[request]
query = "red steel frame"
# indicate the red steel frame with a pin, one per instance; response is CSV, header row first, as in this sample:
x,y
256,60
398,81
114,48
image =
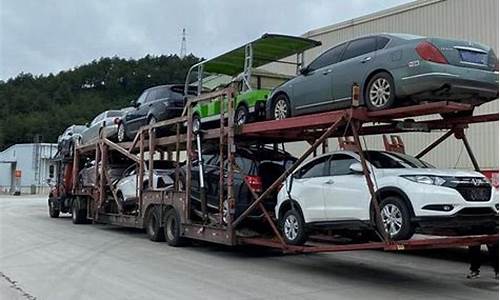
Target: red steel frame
x,y
315,129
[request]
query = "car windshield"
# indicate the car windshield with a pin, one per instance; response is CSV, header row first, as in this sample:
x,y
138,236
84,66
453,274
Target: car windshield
x,y
394,160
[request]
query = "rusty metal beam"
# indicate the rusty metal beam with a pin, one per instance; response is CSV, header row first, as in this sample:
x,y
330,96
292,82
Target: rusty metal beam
x,y
121,150
434,144
337,122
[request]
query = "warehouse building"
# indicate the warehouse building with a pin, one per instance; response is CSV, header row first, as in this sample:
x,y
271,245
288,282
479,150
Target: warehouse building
x,y
458,19
27,167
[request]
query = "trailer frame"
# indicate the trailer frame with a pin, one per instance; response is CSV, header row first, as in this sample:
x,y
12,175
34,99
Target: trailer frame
x,y
222,227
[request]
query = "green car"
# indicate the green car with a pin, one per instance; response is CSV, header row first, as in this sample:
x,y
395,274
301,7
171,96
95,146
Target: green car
x,y
239,67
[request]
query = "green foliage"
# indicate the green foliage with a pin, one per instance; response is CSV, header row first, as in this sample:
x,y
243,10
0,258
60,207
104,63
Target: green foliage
x,y
46,105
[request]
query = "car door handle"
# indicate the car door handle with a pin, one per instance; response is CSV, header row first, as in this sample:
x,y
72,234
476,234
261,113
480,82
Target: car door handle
x,y
326,72
329,181
366,59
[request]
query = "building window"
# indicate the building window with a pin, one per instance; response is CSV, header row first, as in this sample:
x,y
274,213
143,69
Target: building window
x,y
51,171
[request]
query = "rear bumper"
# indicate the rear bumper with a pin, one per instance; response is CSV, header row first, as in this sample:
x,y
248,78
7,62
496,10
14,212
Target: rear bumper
x,y
438,81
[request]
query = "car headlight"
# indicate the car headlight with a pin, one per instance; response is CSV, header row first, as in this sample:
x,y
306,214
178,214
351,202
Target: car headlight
x,y
425,179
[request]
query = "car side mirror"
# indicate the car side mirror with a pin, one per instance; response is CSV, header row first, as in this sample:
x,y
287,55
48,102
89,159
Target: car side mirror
x,y
356,167
87,124
70,133
304,71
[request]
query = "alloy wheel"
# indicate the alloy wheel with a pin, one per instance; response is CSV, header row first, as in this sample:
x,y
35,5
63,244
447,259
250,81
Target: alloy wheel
x,y
380,92
392,219
280,109
121,133
291,227
241,117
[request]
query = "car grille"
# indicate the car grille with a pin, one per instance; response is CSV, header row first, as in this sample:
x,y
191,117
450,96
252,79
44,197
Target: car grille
x,y
470,188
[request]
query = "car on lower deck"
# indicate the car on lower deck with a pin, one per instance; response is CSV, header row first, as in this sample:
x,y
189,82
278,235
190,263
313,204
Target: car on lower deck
x,y
330,192
260,166
391,70
155,104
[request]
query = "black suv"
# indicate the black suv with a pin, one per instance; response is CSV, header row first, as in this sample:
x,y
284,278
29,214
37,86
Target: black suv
x,y
261,166
155,104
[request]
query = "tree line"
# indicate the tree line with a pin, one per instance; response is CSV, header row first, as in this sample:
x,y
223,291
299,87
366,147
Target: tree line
x,y
41,107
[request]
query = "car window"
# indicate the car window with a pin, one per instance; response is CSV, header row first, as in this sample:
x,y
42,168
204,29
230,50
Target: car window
x,y
329,57
162,93
314,169
97,119
129,171
381,42
152,95
142,98
360,47
339,164
113,113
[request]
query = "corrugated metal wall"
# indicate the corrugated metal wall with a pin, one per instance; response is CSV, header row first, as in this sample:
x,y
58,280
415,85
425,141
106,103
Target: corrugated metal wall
x,y
475,20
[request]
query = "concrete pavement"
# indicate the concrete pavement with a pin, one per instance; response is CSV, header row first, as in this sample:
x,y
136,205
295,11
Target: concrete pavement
x,y
43,258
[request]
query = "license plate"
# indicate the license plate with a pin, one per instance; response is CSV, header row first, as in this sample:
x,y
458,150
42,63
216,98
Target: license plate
x,y
474,57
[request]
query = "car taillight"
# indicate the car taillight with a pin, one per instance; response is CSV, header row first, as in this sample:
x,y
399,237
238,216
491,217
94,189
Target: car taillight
x,y
429,52
255,183
116,120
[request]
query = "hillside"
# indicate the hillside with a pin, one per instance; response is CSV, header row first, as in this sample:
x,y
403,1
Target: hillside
x,y
46,105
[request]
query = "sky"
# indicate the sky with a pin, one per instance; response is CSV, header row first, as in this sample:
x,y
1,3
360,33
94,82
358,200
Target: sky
x,y
42,37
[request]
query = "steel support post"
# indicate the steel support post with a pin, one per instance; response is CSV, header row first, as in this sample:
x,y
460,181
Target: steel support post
x,y
189,159
434,144
355,126
222,172
177,155
140,182
151,151
464,139
231,149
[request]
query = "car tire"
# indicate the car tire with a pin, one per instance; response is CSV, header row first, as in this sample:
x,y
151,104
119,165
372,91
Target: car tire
x,y
241,116
380,92
281,108
78,214
172,229
120,134
53,212
196,123
293,228
396,214
154,229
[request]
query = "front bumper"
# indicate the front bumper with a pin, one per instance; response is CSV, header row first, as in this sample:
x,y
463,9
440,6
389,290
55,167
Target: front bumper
x,y
466,221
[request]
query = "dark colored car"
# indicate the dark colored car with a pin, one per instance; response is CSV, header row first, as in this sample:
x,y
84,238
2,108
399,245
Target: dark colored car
x,y
155,104
390,69
260,166
67,141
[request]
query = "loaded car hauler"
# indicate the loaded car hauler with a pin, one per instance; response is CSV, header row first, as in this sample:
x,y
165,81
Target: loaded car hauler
x,y
167,213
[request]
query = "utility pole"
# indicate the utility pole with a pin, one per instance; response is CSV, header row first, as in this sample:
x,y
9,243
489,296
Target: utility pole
x,y
183,44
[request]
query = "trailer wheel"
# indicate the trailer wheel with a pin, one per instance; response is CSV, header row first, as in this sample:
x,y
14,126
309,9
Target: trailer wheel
x,y
53,211
78,214
154,229
173,228
293,228
396,218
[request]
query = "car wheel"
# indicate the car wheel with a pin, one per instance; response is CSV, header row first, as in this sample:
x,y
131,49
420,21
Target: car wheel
x,y
173,228
53,212
153,225
293,228
241,115
396,218
121,133
78,214
196,124
281,107
379,93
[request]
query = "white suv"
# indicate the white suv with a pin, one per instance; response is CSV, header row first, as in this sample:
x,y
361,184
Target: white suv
x,y
330,192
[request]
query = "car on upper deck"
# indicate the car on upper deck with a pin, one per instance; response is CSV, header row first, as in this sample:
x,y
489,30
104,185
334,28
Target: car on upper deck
x,y
70,138
239,66
155,104
391,70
